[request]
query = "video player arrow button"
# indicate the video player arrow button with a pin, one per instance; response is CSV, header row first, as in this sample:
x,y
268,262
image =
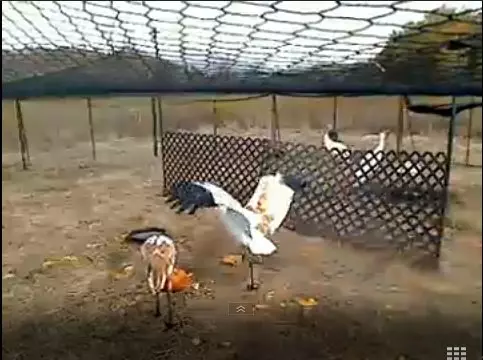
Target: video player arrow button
x,y
241,309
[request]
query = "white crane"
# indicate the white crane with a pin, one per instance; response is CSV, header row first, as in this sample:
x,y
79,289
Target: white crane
x,y
370,161
250,225
331,142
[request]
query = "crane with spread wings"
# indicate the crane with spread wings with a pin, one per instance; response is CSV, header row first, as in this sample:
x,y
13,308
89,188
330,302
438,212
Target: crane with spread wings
x,y
250,225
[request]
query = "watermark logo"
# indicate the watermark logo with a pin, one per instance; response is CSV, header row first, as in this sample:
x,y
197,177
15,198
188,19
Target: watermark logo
x,y
241,309
456,353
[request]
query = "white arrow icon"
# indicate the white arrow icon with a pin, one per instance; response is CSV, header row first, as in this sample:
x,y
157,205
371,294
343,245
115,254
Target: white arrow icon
x,y
240,308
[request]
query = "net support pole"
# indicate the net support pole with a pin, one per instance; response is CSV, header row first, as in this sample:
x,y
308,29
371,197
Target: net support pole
x,y
91,128
159,104
468,137
22,136
155,126
400,125
335,114
449,158
215,117
274,125
155,103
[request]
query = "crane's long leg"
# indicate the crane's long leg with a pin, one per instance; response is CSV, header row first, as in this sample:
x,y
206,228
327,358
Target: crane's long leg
x,y
156,294
253,284
157,309
169,299
149,276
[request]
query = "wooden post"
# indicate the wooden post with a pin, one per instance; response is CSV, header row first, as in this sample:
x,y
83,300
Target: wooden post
x,y
468,137
335,115
215,118
161,137
155,126
400,125
22,136
275,125
159,104
91,128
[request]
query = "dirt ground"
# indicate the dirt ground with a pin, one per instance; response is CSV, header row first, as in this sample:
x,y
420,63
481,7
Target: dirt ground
x,y
369,307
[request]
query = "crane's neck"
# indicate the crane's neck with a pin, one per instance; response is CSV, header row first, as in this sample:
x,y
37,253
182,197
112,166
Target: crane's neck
x,y
382,142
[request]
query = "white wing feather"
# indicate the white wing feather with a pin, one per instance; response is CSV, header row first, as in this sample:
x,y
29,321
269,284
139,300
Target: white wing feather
x,y
278,196
257,243
260,189
220,196
260,245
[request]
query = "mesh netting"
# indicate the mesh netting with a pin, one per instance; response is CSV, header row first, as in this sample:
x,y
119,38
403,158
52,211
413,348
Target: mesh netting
x,y
72,48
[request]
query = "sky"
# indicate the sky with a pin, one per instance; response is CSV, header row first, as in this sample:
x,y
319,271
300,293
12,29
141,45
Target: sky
x,y
276,34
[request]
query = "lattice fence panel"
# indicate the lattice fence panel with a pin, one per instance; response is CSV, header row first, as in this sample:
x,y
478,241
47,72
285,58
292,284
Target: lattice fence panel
x,y
234,163
396,202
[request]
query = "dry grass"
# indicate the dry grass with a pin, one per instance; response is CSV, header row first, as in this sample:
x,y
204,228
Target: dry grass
x,y
369,307
59,124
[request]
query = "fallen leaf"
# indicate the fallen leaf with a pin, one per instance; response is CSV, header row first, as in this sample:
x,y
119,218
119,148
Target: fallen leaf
x,y
65,260
93,245
232,260
125,272
307,302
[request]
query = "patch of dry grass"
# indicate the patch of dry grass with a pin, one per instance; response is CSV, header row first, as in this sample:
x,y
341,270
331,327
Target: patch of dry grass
x,y
63,122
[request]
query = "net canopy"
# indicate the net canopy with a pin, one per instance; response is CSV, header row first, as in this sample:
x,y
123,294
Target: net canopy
x,y
89,48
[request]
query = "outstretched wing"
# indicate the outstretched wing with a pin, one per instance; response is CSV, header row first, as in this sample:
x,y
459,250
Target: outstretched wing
x,y
220,196
257,196
280,196
260,245
273,197
237,223
242,224
191,195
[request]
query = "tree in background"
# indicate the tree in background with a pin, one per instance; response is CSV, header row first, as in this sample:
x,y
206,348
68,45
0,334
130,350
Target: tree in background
x,y
444,40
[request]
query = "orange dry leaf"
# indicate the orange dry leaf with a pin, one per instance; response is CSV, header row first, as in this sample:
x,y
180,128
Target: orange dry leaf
x,y
232,260
307,302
